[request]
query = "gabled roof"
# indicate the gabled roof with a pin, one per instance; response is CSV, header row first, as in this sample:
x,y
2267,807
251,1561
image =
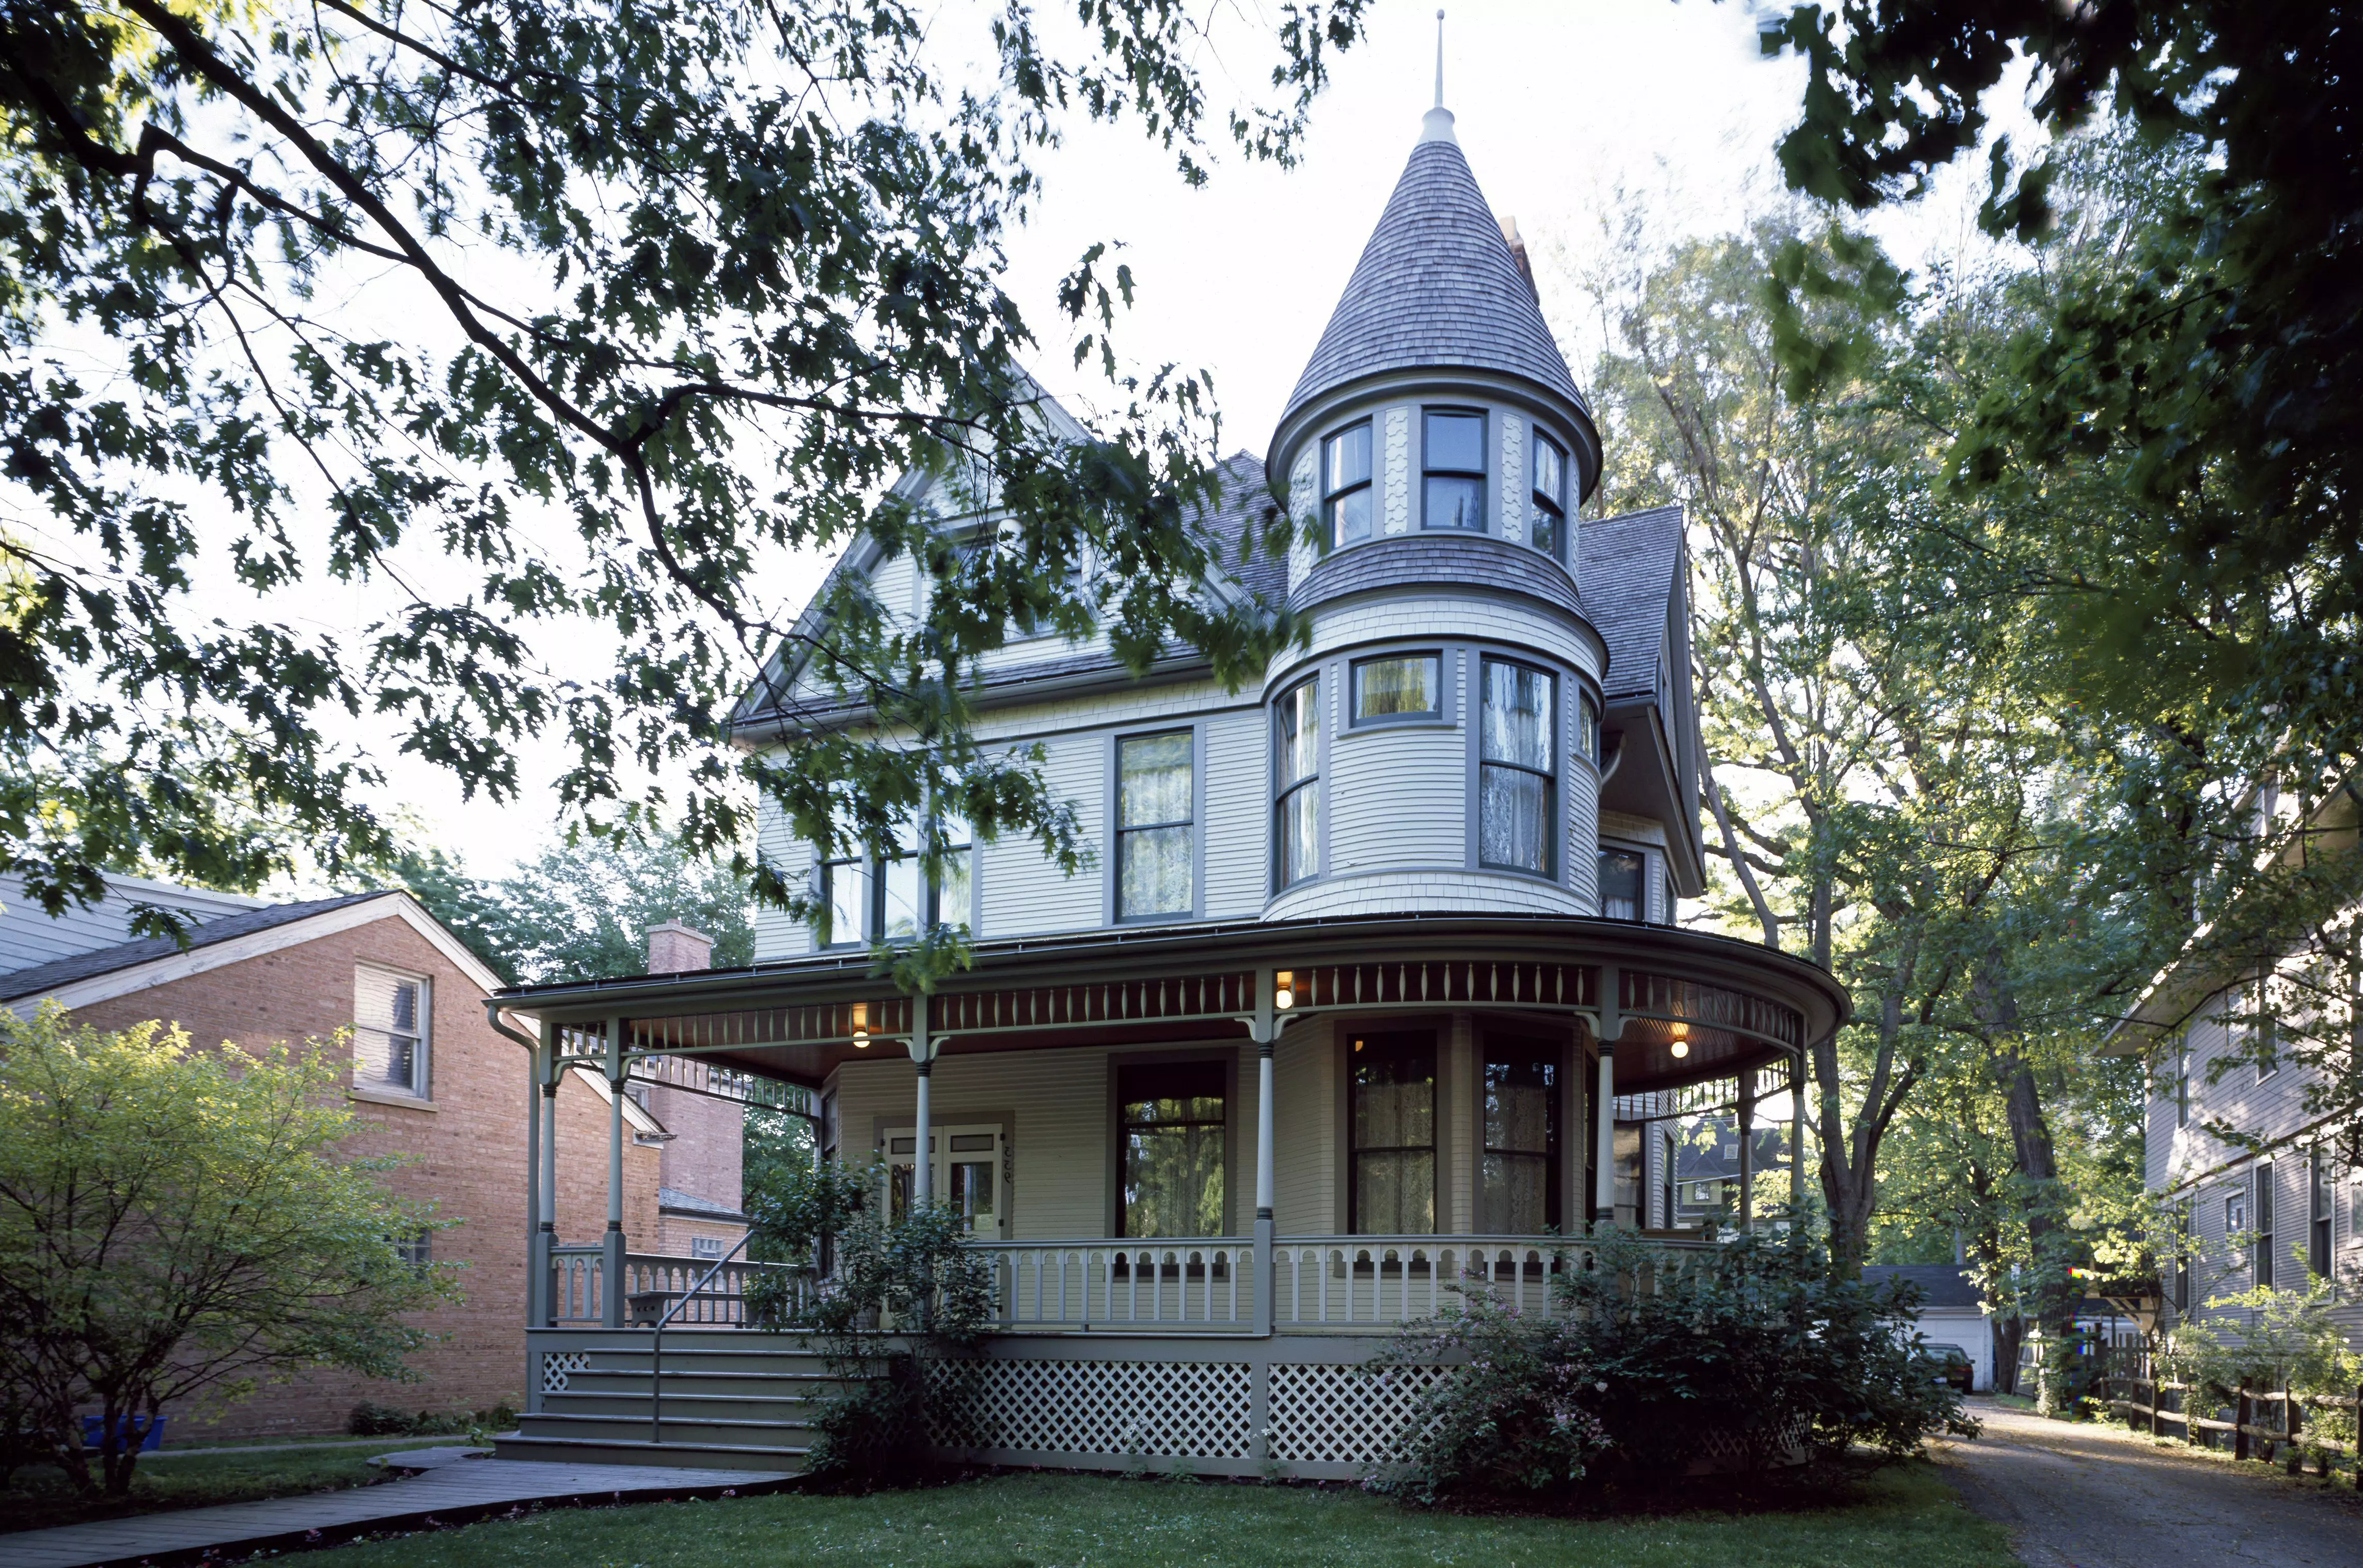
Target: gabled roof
x,y
1945,1286
1629,567
1436,285
42,978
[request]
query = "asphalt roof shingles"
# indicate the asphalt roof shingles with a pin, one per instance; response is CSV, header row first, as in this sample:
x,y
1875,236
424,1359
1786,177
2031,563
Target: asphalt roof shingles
x,y
1436,285
60,972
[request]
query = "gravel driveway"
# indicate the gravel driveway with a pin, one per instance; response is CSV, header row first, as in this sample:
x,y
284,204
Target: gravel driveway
x,y
2099,1497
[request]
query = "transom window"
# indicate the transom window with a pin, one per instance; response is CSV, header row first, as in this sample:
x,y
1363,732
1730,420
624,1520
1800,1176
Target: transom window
x,y
1297,825
1401,686
1170,1125
1452,450
1346,484
1620,883
389,1035
1518,1189
1393,1079
1546,508
1516,773
1156,831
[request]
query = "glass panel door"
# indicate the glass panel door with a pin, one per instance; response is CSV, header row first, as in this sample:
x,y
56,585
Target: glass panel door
x,y
964,1172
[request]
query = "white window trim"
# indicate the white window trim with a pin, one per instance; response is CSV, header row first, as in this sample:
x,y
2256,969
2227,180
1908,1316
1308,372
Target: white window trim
x,y
423,1074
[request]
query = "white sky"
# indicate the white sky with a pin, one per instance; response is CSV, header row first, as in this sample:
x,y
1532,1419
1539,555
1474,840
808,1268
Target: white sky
x,y
1559,104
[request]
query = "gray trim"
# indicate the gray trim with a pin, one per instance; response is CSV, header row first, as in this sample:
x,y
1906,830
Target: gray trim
x,y
1424,561
1438,1026
1555,850
1488,474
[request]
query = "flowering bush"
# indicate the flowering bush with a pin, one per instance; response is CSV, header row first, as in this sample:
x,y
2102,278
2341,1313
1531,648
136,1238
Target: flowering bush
x,y
1649,1357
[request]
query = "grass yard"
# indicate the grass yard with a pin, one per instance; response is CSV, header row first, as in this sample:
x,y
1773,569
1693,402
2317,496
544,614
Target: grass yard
x,y
1910,1518
38,1496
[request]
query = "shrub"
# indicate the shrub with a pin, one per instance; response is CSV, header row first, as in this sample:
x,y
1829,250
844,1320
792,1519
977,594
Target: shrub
x,y
2289,1341
1647,1356
370,1418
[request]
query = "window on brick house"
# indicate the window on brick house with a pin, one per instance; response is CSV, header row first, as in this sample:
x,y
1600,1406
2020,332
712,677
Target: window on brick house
x,y
708,1247
416,1249
390,1032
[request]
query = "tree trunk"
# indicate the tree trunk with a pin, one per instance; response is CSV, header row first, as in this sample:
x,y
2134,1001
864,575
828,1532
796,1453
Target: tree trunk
x,y
2009,1333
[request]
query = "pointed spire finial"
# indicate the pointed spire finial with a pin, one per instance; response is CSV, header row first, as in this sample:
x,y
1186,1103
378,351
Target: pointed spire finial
x,y
1437,124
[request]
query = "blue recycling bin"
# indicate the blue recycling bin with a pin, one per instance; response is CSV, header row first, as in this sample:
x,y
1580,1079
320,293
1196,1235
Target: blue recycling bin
x,y
94,1432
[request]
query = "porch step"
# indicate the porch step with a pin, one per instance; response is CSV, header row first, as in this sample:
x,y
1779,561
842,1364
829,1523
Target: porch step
x,y
697,1429
747,1385
616,1451
634,1403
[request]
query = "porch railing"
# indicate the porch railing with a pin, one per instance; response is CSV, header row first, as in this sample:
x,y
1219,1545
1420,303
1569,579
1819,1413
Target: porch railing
x,y
652,1283
1204,1283
1337,1281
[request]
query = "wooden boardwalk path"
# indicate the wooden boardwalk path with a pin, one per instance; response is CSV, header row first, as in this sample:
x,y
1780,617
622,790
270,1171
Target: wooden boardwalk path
x,y
453,1489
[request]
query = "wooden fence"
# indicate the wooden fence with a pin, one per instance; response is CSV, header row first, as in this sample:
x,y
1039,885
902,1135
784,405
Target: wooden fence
x,y
2253,1435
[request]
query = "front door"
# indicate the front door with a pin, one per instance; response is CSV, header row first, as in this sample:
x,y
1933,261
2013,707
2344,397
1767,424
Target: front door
x,y
964,1170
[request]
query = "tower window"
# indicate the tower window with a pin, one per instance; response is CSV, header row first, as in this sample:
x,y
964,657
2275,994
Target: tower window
x,y
1403,687
1547,514
1346,484
1453,457
1514,774
1298,816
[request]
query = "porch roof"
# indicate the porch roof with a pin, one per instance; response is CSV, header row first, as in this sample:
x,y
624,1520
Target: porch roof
x,y
1691,1007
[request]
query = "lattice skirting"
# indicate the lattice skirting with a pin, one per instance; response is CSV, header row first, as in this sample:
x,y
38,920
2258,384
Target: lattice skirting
x,y
557,1364
1327,1414
1170,1409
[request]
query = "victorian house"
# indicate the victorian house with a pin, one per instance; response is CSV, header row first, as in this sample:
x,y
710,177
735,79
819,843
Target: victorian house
x,y
1374,990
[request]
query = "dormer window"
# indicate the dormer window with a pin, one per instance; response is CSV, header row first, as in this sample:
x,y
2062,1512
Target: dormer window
x,y
1452,448
1346,484
1547,510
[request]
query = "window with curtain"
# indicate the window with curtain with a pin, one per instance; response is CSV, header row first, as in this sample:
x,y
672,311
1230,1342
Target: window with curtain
x,y
1154,826
1393,1085
1515,777
1587,729
2321,1198
1346,484
1452,453
1170,1127
1546,508
390,1015
1620,883
1401,686
1297,745
1518,1186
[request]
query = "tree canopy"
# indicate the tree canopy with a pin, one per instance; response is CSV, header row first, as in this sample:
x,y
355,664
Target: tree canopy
x,y
517,317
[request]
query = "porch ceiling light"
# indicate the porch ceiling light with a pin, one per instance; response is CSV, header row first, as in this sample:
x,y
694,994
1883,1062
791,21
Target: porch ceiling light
x,y
1285,995
1681,1033
861,1026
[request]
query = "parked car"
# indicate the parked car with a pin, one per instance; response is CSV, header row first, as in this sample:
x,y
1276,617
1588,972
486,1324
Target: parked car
x,y
1951,1365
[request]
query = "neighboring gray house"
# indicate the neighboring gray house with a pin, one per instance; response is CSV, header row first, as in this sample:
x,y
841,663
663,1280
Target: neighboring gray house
x,y
30,935
2292,1209
1376,983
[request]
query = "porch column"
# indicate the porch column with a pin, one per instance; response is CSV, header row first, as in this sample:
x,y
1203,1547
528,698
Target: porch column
x,y
923,1061
537,1207
611,1293
1796,1136
1747,1150
549,1082
1612,1025
1264,1028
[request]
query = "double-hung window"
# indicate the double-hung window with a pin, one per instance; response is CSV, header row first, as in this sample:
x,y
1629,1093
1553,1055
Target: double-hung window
x,y
1400,686
2322,1200
1346,484
892,898
1587,729
1515,774
1452,449
1620,883
2183,1244
1296,741
2235,1218
1393,1088
1156,830
2264,1255
1518,1187
389,1035
1171,1128
1546,508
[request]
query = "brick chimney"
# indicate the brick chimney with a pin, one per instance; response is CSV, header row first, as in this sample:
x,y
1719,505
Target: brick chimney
x,y
675,947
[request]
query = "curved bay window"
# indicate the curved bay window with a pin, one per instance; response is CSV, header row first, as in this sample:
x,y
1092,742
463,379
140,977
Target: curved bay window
x,y
1516,776
1452,457
1297,816
1394,1089
1546,505
1346,484
1400,686
1518,1187
1170,1125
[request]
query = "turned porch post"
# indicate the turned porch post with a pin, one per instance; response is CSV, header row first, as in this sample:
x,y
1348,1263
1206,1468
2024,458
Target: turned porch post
x,y
1264,1028
540,1205
1612,1024
923,1061
610,1292
1747,1150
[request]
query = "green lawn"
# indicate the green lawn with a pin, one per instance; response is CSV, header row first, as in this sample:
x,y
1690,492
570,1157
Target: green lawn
x,y
38,1496
1907,1518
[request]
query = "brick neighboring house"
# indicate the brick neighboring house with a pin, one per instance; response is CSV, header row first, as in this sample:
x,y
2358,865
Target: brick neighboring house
x,y
433,1080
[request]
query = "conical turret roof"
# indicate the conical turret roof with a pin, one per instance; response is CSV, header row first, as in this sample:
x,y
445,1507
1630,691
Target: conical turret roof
x,y
1436,286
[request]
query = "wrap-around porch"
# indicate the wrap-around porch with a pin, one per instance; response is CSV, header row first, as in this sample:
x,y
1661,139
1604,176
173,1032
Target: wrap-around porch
x,y
1164,1142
